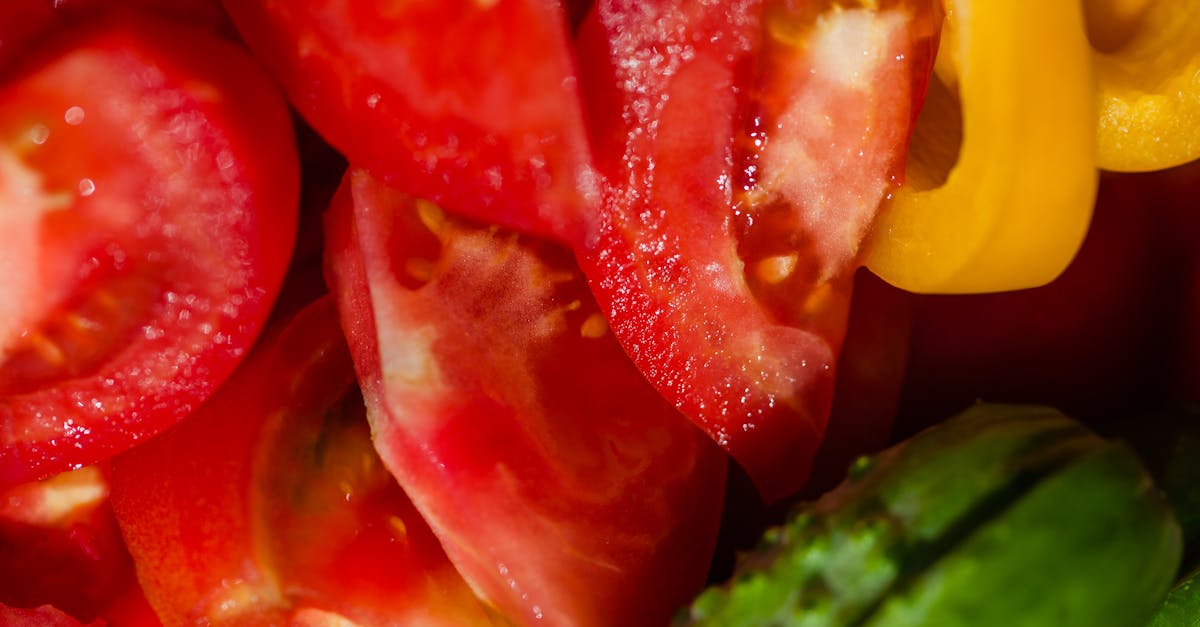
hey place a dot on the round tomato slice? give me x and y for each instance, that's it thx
(565, 489)
(470, 104)
(150, 183)
(270, 503)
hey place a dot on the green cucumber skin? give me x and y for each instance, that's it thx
(912, 538)
(1182, 606)
(1091, 545)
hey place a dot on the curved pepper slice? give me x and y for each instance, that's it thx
(1147, 65)
(1008, 117)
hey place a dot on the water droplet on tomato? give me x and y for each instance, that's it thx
(225, 160)
(87, 187)
(74, 115)
(39, 134)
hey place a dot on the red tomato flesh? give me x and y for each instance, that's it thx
(564, 488)
(733, 158)
(745, 156)
(150, 216)
(60, 546)
(304, 516)
(472, 105)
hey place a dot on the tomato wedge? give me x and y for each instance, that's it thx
(564, 488)
(708, 163)
(470, 104)
(148, 220)
(747, 147)
(270, 504)
(60, 546)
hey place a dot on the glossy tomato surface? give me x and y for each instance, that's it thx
(745, 152)
(149, 218)
(724, 163)
(270, 503)
(471, 105)
(60, 546)
(562, 486)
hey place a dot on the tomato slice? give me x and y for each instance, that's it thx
(60, 546)
(470, 104)
(565, 489)
(734, 157)
(747, 147)
(149, 219)
(304, 516)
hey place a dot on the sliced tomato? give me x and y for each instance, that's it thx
(270, 502)
(565, 489)
(734, 157)
(60, 546)
(470, 104)
(149, 217)
(870, 380)
(746, 148)
(867, 393)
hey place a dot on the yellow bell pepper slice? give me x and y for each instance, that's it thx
(1001, 171)
(1147, 65)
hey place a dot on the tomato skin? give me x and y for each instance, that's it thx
(397, 89)
(601, 503)
(288, 527)
(190, 219)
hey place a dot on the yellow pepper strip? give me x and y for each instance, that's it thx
(1147, 65)
(1001, 171)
